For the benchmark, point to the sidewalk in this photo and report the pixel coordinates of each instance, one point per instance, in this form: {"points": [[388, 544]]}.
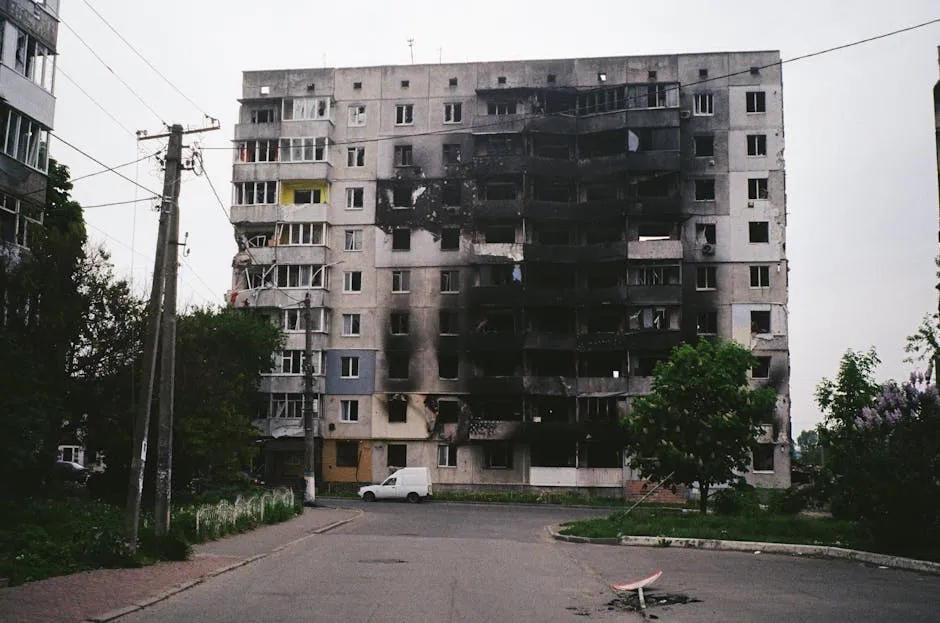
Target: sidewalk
{"points": [[103, 594]]}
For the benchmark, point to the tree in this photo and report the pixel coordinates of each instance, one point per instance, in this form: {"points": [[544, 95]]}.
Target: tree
{"points": [[701, 420], [809, 449]]}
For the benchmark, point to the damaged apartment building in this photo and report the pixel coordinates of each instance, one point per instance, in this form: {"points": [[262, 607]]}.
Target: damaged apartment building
{"points": [[497, 255]]}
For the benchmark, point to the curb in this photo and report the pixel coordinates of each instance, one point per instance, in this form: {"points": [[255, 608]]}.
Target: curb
{"points": [[435, 500], [179, 588], [787, 549]]}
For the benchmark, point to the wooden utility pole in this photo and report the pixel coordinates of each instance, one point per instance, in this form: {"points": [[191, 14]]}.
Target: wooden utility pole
{"points": [[310, 448]]}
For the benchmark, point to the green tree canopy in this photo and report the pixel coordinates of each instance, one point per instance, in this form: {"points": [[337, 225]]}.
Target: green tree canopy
{"points": [[701, 420]]}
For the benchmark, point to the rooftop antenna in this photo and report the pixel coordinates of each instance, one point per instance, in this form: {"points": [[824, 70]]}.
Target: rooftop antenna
{"points": [[411, 49]]}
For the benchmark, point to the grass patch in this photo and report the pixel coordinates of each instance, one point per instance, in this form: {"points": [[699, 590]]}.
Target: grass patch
{"points": [[528, 497]]}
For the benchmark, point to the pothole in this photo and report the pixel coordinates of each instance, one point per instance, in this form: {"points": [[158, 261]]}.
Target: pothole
{"points": [[631, 601]]}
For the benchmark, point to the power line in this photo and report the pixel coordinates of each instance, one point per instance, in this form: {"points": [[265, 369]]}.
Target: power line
{"points": [[141, 56], [627, 99], [111, 169], [108, 67], [114, 203], [118, 166], [221, 203], [93, 100]]}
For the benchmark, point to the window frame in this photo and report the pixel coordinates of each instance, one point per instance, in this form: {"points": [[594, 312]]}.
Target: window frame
{"points": [[352, 240], [398, 320], [452, 276], [399, 238], [703, 104], [758, 188], [712, 315], [404, 277], [351, 194], [347, 444], [352, 325], [356, 157], [348, 367], [756, 145], [447, 459], [704, 185], [349, 411], [357, 116], [759, 103], [760, 277], [695, 145], [752, 230], [707, 275], [404, 155], [349, 281], [404, 114], [454, 110]]}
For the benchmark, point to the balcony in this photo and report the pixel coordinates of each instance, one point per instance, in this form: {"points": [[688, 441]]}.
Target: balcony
{"points": [[550, 385], [653, 117], [612, 294], [535, 340], [592, 342], [23, 94], [289, 254], [498, 209], [654, 249], [495, 340], [263, 171], [490, 166], [553, 123], [495, 385], [249, 131], [497, 124], [279, 213], [602, 386], [286, 427], [274, 298], [551, 167], [576, 477], [655, 206], [654, 340], [656, 295], [494, 429], [602, 122], [497, 295], [498, 251], [639, 161]]}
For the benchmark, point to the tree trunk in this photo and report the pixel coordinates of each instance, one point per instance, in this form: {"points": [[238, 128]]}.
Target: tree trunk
{"points": [[703, 497]]}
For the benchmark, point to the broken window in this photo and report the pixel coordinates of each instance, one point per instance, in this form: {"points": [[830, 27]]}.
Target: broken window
{"points": [[450, 282], [401, 239], [704, 190], [764, 457], [447, 455], [262, 115], [760, 276], [353, 240], [757, 188], [450, 193], [450, 239], [399, 323], [397, 409], [706, 323], [351, 325], [655, 276], [655, 231], [348, 410], [758, 231], [401, 281], [347, 452], [551, 363], [706, 278], [500, 274], [497, 455], [554, 235], [302, 234], [503, 234], [645, 365], [658, 95], [402, 196], [601, 453], [554, 191], [451, 154], [496, 321], [760, 322], [305, 108], [293, 320], [449, 322], [404, 156], [756, 101], [603, 276], [705, 145], [448, 365], [404, 114], [355, 157], [299, 275], [291, 362], [604, 320], [453, 112], [651, 318], [287, 405], [257, 151], [756, 144], [705, 233], [357, 116], [498, 191], [761, 369], [551, 320], [352, 281], [397, 455], [601, 100], [654, 188], [349, 367], [255, 193], [601, 365], [452, 82], [703, 104], [304, 149], [398, 366], [448, 411], [355, 198], [501, 108]]}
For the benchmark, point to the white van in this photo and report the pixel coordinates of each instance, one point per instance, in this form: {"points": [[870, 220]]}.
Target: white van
{"points": [[408, 483]]}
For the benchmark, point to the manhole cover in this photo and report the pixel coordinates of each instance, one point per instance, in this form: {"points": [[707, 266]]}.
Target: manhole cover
{"points": [[383, 561]]}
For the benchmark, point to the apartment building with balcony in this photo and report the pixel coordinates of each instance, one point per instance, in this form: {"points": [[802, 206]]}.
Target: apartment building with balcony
{"points": [[28, 35], [497, 255]]}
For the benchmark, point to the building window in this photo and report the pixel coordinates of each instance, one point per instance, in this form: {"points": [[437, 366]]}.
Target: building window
{"points": [[348, 410], [704, 190], [357, 116], [757, 188], [404, 114], [351, 325], [402, 196], [357, 85], [349, 367], [405, 84], [660, 95], [355, 157], [447, 456], [703, 104], [760, 276], [705, 233], [404, 156], [398, 366], [290, 406], [299, 275], [352, 281], [306, 108], [501, 108], [353, 240], [761, 369], [355, 198], [655, 276], [450, 193], [764, 457], [705, 145], [706, 278], [452, 82], [756, 144], [497, 456], [262, 115], [294, 234], [760, 322], [401, 281], [255, 193], [34, 60], [397, 455], [293, 320], [758, 231], [451, 154], [291, 362], [501, 80], [397, 410], [257, 151], [453, 112], [450, 282], [448, 365], [19, 221], [756, 101], [450, 239], [706, 323], [304, 149], [399, 323], [449, 322], [401, 239], [303, 196], [347, 452], [448, 411]]}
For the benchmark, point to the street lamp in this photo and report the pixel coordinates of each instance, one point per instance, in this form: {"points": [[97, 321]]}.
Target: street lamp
{"points": [[309, 437]]}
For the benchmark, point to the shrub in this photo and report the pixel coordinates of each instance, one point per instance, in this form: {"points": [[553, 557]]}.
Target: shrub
{"points": [[787, 501], [738, 501]]}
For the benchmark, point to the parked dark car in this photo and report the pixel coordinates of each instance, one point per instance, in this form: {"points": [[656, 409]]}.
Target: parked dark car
{"points": [[72, 471]]}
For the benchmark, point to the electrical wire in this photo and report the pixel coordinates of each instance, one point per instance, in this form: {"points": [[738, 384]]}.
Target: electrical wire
{"points": [[141, 56], [114, 203], [93, 100], [107, 168], [119, 166], [109, 68]]}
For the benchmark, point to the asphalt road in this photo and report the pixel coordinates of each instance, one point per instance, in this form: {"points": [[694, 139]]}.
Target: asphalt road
{"points": [[470, 563]]}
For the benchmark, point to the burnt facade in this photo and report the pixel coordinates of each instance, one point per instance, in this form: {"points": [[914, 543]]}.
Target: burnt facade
{"points": [[499, 253]]}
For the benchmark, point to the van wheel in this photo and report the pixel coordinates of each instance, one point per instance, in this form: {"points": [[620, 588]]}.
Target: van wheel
{"points": [[413, 497], [368, 496]]}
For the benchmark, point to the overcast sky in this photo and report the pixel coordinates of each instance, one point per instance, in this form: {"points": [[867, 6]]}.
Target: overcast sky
{"points": [[860, 156]]}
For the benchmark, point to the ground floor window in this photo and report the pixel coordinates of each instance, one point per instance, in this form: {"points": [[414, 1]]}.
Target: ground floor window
{"points": [[497, 456], [764, 457], [397, 455], [347, 454], [447, 456]]}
